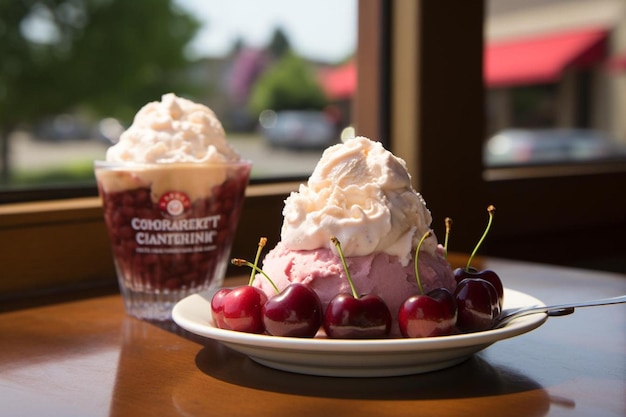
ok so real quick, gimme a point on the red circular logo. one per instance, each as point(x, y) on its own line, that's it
point(174, 203)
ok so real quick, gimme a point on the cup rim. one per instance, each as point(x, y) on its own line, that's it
point(102, 164)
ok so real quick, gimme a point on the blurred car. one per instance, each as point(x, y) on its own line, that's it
point(298, 129)
point(68, 127)
point(512, 147)
point(62, 127)
point(109, 129)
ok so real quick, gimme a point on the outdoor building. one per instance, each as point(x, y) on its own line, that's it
point(556, 64)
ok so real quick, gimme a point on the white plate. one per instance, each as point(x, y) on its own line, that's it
point(354, 358)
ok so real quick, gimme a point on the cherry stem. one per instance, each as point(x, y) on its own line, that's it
point(491, 209)
point(417, 250)
point(448, 221)
point(345, 266)
point(262, 243)
point(243, 262)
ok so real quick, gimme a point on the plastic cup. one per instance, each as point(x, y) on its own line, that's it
point(171, 228)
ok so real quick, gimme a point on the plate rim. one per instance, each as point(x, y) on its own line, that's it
point(488, 337)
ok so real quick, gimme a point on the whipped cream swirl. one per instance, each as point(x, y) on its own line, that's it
point(174, 130)
point(362, 194)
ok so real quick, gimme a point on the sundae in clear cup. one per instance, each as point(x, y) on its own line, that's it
point(172, 190)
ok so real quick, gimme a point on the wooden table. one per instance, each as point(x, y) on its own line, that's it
point(87, 358)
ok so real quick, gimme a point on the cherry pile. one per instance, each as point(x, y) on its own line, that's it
point(296, 311)
point(474, 305)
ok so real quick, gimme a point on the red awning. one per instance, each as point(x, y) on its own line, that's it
point(542, 59)
point(340, 83)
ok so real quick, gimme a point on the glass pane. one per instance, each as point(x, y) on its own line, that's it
point(555, 73)
point(279, 74)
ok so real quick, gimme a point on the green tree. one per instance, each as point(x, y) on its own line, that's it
point(289, 84)
point(104, 56)
point(279, 45)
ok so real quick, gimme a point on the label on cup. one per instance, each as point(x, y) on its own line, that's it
point(174, 203)
point(175, 232)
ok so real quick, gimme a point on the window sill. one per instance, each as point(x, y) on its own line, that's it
point(553, 171)
point(550, 214)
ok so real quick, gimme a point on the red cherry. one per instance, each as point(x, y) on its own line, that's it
point(217, 307)
point(366, 317)
point(424, 315)
point(355, 317)
point(239, 309)
point(477, 305)
point(433, 314)
point(487, 274)
point(295, 312)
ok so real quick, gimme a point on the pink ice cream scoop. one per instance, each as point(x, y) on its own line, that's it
point(361, 194)
point(379, 274)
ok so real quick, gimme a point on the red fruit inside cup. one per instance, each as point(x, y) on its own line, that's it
point(155, 251)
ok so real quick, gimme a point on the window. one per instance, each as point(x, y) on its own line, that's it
point(61, 244)
point(280, 81)
point(544, 213)
point(420, 87)
point(553, 92)
point(556, 148)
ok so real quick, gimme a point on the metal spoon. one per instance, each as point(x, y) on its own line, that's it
point(555, 310)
